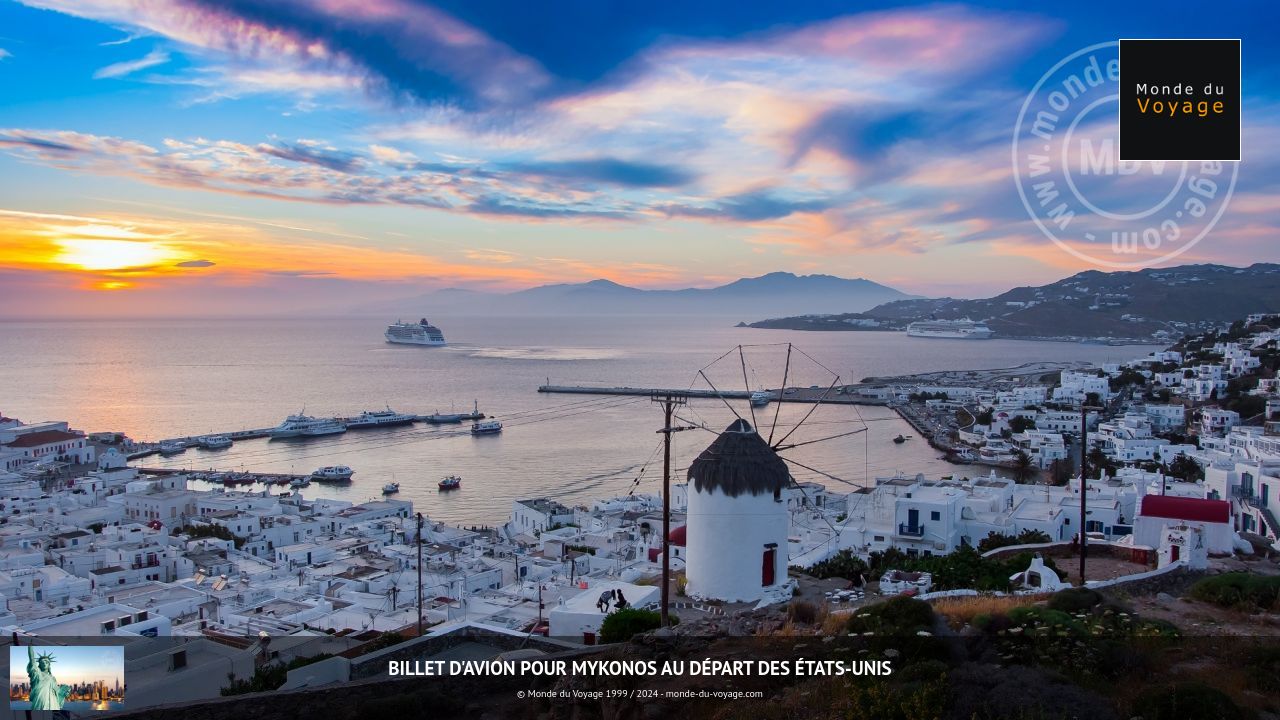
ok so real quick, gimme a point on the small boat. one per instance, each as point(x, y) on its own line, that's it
point(453, 482)
point(215, 442)
point(171, 448)
point(299, 482)
point(761, 397)
point(391, 488)
point(333, 473)
point(486, 427)
point(899, 440)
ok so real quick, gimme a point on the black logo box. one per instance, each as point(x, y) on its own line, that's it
point(1186, 68)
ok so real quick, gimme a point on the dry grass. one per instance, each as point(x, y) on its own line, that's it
point(961, 611)
point(835, 622)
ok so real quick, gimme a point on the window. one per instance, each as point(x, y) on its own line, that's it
point(935, 515)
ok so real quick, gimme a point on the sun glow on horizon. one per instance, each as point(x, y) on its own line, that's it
point(113, 254)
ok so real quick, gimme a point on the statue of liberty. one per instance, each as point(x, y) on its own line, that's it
point(46, 693)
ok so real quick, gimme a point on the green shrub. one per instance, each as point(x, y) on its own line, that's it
point(898, 616)
point(270, 676)
point(995, 540)
point(843, 564)
point(1075, 600)
point(1186, 701)
point(1239, 590)
point(622, 625)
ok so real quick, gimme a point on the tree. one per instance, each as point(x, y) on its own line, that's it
point(1059, 472)
point(1187, 469)
point(1022, 423)
point(986, 416)
point(1023, 467)
point(1099, 462)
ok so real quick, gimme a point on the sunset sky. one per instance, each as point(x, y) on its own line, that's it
point(238, 156)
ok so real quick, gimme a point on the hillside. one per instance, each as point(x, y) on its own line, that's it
point(1151, 304)
point(778, 292)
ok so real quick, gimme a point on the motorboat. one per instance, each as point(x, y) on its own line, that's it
point(391, 488)
point(333, 473)
point(761, 397)
point(486, 427)
point(170, 447)
point(453, 482)
point(299, 482)
point(899, 440)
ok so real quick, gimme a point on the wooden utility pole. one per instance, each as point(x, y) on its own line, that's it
point(669, 403)
point(419, 541)
point(1084, 480)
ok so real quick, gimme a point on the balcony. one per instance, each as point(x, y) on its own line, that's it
point(906, 530)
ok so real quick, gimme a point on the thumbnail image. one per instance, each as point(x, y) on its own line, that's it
point(66, 678)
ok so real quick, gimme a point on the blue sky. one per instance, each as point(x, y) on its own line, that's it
point(231, 150)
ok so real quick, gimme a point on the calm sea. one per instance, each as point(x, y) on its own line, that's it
point(157, 379)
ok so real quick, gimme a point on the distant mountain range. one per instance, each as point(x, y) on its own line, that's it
point(775, 293)
point(1152, 304)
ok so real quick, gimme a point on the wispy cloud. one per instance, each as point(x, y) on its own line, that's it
point(5, 54)
point(128, 67)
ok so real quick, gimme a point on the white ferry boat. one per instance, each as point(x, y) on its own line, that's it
point(419, 333)
point(761, 397)
point(954, 329)
point(328, 426)
point(171, 447)
point(215, 442)
point(333, 473)
point(486, 427)
point(300, 425)
point(379, 418)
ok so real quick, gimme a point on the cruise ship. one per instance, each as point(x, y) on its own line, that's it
point(955, 329)
point(419, 333)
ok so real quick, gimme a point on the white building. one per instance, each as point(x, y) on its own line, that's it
point(1215, 421)
point(737, 520)
point(579, 618)
point(1166, 418)
point(536, 516)
point(1075, 386)
point(1157, 513)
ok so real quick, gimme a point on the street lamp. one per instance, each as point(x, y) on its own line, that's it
point(1084, 480)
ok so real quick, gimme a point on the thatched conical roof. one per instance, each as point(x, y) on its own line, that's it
point(739, 462)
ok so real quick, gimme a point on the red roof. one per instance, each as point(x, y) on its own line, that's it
point(43, 437)
point(677, 536)
point(1182, 508)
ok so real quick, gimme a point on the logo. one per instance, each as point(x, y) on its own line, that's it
point(1107, 211)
